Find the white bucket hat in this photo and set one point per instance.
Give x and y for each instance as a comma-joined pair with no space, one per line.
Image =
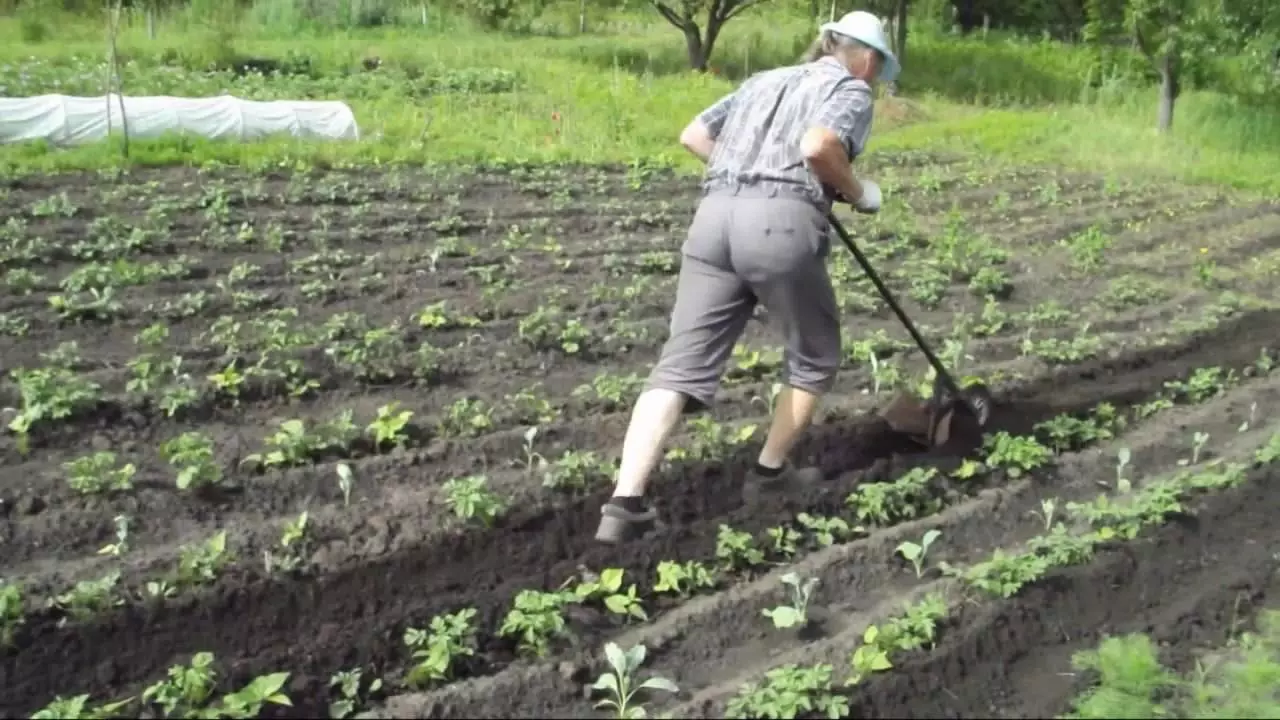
867,29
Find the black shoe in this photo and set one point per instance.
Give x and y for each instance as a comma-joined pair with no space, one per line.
790,481
619,525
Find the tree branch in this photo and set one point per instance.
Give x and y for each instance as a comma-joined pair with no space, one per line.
671,16
737,8
1141,41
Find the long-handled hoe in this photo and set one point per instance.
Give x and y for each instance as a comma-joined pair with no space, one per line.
928,422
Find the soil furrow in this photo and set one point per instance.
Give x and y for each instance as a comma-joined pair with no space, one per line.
711,645
349,614
1184,582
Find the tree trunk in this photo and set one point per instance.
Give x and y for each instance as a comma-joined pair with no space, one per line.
151,22
582,17
967,16
900,23
1169,91
697,51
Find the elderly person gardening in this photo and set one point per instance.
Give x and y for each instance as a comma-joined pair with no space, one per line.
778,152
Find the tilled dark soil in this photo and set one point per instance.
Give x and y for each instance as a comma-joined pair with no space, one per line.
392,557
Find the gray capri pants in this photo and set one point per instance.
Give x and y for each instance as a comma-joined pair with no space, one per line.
742,249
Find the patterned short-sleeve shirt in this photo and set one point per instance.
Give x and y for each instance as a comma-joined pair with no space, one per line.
758,127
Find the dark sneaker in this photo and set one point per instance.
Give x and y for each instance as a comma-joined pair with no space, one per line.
619,525
792,480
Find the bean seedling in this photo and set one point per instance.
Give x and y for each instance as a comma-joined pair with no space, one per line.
436,652
683,578
12,609
608,587
535,620
99,473
470,498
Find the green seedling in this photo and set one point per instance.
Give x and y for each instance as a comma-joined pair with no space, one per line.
188,690
826,531
620,681
870,657
790,691
347,683
121,545
99,473
785,540
199,564
293,443
736,550
683,579
797,613
289,558
229,381
87,598
436,652
906,498
1063,548
247,702
915,553
1122,463
191,454
471,499
1253,415
577,470
49,394
12,611
536,619
533,460
1017,455
77,708
608,588
916,627
1270,452
389,427
346,480
1198,441
968,470
1048,508
885,375
1003,575
769,398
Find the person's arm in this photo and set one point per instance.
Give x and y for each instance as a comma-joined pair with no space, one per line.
699,137
837,136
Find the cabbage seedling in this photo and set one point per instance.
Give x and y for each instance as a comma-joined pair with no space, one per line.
797,613
915,554
620,683
346,479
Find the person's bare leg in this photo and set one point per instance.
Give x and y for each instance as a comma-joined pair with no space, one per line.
791,417
655,415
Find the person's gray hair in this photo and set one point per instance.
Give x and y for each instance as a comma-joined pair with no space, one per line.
830,43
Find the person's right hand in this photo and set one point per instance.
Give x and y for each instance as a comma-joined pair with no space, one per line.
869,203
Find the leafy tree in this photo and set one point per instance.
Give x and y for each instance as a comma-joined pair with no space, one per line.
683,14
495,13
1170,34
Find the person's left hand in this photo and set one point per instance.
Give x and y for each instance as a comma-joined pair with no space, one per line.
869,203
